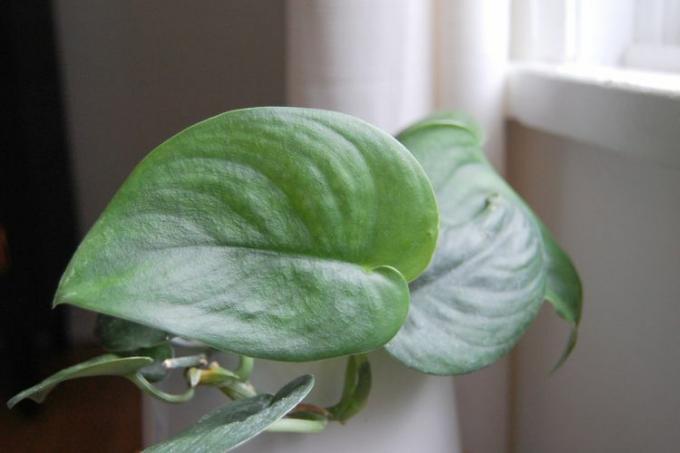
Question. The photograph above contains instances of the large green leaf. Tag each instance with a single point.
(237, 422)
(494, 265)
(281, 233)
(105, 365)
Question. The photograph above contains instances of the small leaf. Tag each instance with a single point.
(213, 375)
(105, 365)
(117, 334)
(279, 233)
(356, 389)
(494, 265)
(237, 422)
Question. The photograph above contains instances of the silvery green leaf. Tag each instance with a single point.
(232, 425)
(494, 265)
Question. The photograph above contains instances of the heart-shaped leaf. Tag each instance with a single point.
(237, 422)
(280, 233)
(105, 365)
(494, 265)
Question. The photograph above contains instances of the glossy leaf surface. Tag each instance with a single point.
(494, 265)
(237, 422)
(280, 233)
(105, 365)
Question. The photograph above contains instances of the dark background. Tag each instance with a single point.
(37, 216)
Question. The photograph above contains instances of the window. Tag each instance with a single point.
(641, 34)
(656, 37)
(605, 72)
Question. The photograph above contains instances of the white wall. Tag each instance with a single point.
(619, 218)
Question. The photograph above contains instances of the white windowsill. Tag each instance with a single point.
(632, 112)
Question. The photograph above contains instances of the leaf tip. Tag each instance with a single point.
(19, 397)
(58, 299)
(571, 343)
(13, 401)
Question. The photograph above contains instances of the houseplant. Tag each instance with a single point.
(296, 235)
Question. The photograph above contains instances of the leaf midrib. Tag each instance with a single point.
(275, 251)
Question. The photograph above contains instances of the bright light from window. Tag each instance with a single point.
(641, 34)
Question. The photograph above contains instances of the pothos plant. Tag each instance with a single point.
(296, 235)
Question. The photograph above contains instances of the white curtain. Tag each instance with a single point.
(391, 62)
(371, 59)
(394, 61)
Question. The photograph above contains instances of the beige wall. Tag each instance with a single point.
(620, 219)
(136, 72)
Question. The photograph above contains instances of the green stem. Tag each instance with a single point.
(149, 389)
(356, 389)
(185, 362)
(245, 367)
(296, 425)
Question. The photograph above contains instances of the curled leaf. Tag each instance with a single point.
(105, 365)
